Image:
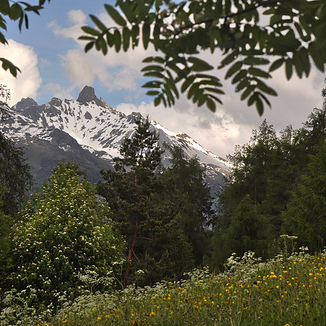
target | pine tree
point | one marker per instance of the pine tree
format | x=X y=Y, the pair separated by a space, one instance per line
x=15 y=177
x=305 y=216
x=188 y=192
x=128 y=190
x=157 y=243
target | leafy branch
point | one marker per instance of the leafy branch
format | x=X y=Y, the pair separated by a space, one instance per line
x=15 y=11
x=293 y=37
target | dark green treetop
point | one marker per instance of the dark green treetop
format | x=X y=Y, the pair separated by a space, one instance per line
x=15 y=177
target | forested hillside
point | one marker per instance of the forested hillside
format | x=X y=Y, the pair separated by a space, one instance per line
x=278 y=188
x=144 y=223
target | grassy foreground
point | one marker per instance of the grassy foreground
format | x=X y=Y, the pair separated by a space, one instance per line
x=284 y=291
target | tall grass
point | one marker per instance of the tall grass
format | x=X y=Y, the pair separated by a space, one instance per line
x=284 y=291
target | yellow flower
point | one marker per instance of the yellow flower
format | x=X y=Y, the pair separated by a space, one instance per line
x=99 y=318
x=152 y=314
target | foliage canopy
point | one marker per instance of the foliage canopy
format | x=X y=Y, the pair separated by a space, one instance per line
x=254 y=37
x=63 y=235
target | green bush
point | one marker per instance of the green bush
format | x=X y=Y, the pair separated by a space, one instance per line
x=63 y=245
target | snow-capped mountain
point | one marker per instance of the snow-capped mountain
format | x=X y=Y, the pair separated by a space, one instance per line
x=88 y=131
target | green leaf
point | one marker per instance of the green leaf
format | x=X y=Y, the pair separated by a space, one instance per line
x=117 y=40
x=89 y=46
x=86 y=38
x=98 y=23
x=4 y=7
x=297 y=64
x=252 y=99
x=146 y=35
x=214 y=90
x=110 y=39
x=211 y=104
x=154 y=74
x=216 y=99
x=264 y=88
x=316 y=56
x=247 y=92
x=154 y=59
x=305 y=60
x=91 y=31
x=126 y=38
x=276 y=64
x=157 y=100
x=3 y=39
x=135 y=35
x=6 y=64
x=103 y=46
x=244 y=83
x=199 y=64
x=126 y=9
x=153 y=67
x=255 y=61
x=115 y=15
x=241 y=74
x=258 y=72
x=152 y=84
x=15 y=11
x=188 y=81
x=237 y=66
x=259 y=106
x=288 y=68
x=229 y=58
x=192 y=90
x=170 y=82
x=153 y=93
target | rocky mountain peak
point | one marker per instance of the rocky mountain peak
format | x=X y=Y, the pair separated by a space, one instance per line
x=24 y=103
x=87 y=95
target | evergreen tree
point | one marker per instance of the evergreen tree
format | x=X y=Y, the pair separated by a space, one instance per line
x=157 y=244
x=128 y=190
x=187 y=190
x=306 y=212
x=63 y=234
x=248 y=231
x=15 y=177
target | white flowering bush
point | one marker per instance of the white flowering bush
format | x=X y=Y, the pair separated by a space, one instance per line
x=64 y=233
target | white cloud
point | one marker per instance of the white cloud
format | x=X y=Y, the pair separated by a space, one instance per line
x=115 y=71
x=59 y=91
x=29 y=80
x=77 y=18
x=217 y=132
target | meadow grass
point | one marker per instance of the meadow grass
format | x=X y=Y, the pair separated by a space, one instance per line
x=283 y=291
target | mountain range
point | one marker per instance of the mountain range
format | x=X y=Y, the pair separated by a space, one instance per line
x=87 y=131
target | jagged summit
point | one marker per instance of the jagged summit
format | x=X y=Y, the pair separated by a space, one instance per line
x=90 y=132
x=25 y=102
x=87 y=95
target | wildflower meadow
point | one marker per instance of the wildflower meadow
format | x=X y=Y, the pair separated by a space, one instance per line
x=284 y=291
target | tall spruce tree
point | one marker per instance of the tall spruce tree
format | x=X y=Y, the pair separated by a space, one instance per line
x=15 y=177
x=188 y=192
x=305 y=216
x=133 y=190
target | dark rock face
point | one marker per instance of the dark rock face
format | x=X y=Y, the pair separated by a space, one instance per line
x=24 y=103
x=87 y=95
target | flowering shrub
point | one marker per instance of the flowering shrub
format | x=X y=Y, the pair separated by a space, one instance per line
x=64 y=236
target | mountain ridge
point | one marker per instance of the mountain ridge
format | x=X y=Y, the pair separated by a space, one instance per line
x=91 y=132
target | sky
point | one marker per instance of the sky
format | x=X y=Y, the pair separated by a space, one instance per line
x=53 y=64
